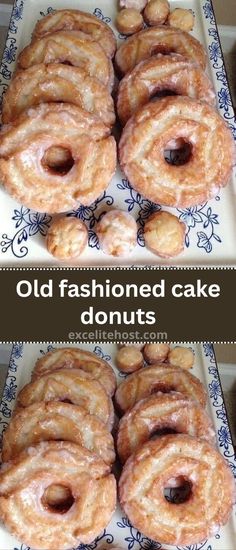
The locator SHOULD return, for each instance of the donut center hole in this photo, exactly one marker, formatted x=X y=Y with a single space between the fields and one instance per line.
x=57 y=160
x=161 y=49
x=162 y=93
x=162 y=431
x=161 y=387
x=178 y=490
x=57 y=499
x=178 y=152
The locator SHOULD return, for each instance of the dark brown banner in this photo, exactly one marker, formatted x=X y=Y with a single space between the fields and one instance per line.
x=105 y=305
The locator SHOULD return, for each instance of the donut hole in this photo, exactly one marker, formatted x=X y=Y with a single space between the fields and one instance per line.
x=162 y=431
x=161 y=49
x=162 y=93
x=162 y=387
x=57 y=160
x=178 y=152
x=58 y=499
x=178 y=490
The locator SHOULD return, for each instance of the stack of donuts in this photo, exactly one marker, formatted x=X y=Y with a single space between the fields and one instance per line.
x=172 y=473
x=56 y=148
x=56 y=485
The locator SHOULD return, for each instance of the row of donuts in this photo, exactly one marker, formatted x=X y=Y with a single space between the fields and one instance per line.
x=132 y=357
x=56 y=486
x=59 y=107
x=172 y=471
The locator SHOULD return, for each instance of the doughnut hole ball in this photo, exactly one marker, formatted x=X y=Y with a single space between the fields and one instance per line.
x=129 y=359
x=129 y=21
x=164 y=234
x=181 y=357
x=67 y=238
x=156 y=353
x=117 y=233
x=181 y=19
x=156 y=12
x=137 y=346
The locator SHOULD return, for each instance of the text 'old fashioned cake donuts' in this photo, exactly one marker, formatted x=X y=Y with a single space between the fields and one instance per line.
x=187 y=460
x=25 y=506
x=170 y=124
x=36 y=181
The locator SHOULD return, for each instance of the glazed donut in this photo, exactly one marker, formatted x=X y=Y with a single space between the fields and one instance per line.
x=158 y=40
x=129 y=21
x=164 y=234
x=24 y=506
x=158 y=378
x=158 y=74
x=152 y=131
x=117 y=233
x=156 y=12
x=75 y=20
x=39 y=130
x=129 y=359
x=57 y=83
x=159 y=413
x=67 y=238
x=75 y=358
x=181 y=357
x=181 y=19
x=135 y=4
x=72 y=47
x=73 y=386
x=57 y=421
x=156 y=353
x=148 y=472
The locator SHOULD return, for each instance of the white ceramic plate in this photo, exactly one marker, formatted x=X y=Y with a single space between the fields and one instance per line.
x=211 y=228
x=119 y=532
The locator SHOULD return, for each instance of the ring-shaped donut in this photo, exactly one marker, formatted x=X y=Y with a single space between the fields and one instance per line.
x=57 y=83
x=64 y=127
x=158 y=378
x=24 y=507
x=73 y=48
x=74 y=386
x=159 y=127
x=160 y=39
x=71 y=358
x=57 y=421
x=76 y=20
x=152 y=469
x=159 y=413
x=162 y=73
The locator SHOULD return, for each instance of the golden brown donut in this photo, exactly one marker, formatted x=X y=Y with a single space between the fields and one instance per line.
x=129 y=359
x=57 y=421
x=181 y=357
x=151 y=469
x=75 y=20
x=158 y=378
x=155 y=129
x=164 y=234
x=156 y=12
x=57 y=83
x=156 y=353
x=129 y=21
x=156 y=40
x=136 y=4
x=157 y=414
x=67 y=238
x=38 y=131
x=24 y=506
x=76 y=358
x=72 y=386
x=73 y=48
x=181 y=19
x=162 y=73
x=117 y=233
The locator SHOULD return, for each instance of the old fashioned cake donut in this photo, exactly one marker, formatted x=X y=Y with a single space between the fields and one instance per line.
x=160 y=39
x=67 y=238
x=73 y=386
x=149 y=472
x=162 y=73
x=117 y=233
x=158 y=378
x=177 y=123
x=76 y=358
x=57 y=421
x=41 y=186
x=31 y=518
x=57 y=83
x=73 y=48
x=156 y=415
x=78 y=21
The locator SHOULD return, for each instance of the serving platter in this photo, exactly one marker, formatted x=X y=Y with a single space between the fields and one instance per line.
x=119 y=532
x=211 y=227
